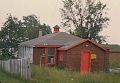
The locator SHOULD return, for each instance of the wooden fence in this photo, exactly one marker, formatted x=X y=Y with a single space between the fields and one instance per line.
x=17 y=67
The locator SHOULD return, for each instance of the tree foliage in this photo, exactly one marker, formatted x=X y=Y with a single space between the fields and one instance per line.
x=9 y=36
x=15 y=31
x=85 y=20
x=31 y=25
x=45 y=29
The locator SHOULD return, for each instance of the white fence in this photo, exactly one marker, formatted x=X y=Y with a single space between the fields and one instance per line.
x=17 y=67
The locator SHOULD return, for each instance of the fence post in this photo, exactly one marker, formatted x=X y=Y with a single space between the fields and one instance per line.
x=17 y=66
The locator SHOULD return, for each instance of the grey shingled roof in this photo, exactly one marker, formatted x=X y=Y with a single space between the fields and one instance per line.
x=60 y=38
x=71 y=43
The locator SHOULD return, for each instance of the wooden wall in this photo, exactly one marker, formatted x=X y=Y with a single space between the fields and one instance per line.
x=25 y=52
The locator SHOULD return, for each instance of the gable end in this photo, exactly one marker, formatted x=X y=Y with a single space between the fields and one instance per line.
x=86 y=40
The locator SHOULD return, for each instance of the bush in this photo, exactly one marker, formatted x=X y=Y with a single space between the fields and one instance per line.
x=5 y=55
x=59 y=67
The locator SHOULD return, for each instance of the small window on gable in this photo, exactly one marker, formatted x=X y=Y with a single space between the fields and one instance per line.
x=61 y=57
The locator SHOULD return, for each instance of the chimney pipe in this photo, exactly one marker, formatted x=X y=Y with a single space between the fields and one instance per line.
x=40 y=33
x=56 y=29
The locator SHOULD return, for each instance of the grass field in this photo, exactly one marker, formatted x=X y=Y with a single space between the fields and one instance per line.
x=7 y=78
x=53 y=75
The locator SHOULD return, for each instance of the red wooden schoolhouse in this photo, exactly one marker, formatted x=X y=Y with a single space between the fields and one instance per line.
x=69 y=51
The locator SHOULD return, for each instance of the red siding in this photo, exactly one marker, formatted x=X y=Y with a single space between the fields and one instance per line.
x=38 y=59
x=72 y=57
x=36 y=56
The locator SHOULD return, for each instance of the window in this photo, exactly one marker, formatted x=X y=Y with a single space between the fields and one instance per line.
x=48 y=55
x=51 y=52
x=61 y=57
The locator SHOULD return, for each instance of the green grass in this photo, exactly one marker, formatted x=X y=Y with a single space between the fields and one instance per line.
x=54 y=75
x=8 y=78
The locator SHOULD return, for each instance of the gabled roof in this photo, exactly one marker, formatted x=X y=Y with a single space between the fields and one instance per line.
x=61 y=39
x=69 y=46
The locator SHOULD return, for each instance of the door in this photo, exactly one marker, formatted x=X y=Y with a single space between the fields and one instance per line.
x=85 y=61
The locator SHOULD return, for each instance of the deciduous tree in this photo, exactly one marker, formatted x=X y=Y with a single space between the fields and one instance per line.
x=15 y=31
x=85 y=20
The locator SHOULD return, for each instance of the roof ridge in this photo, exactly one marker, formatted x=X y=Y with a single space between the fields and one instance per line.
x=45 y=36
x=59 y=38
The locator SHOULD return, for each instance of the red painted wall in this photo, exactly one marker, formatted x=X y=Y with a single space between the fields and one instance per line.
x=36 y=56
x=72 y=57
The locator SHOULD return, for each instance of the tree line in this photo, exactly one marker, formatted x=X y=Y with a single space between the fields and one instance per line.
x=15 y=31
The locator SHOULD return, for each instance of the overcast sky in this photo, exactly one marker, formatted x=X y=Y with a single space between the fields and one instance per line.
x=48 y=12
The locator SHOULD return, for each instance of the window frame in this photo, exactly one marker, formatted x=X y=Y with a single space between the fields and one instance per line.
x=54 y=55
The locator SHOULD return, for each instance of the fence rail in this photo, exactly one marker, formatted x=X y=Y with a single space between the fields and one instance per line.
x=17 y=67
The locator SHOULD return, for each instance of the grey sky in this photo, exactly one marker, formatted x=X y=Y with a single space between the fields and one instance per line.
x=48 y=12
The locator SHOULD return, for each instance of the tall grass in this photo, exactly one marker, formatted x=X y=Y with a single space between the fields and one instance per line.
x=52 y=75
x=8 y=78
